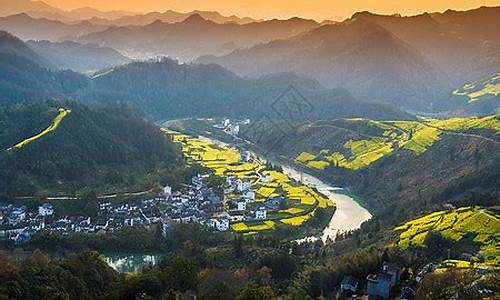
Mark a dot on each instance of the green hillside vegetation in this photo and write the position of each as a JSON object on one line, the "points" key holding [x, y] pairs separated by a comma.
{"points": [[84, 150], [415, 136], [473, 224]]}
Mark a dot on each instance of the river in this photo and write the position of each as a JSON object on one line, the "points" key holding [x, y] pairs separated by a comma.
{"points": [[349, 214]]}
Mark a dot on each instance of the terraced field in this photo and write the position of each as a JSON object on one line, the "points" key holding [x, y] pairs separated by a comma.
{"points": [[414, 136], [301, 201], [53, 126], [478, 90], [482, 226]]}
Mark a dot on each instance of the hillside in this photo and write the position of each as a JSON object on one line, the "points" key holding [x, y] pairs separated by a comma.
{"points": [[481, 96], [64, 148], [168, 89], [412, 62], [360, 56], [25, 74], [464, 229], [78, 57]]}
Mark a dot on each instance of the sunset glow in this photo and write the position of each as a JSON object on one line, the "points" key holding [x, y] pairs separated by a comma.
{"points": [[317, 9]]}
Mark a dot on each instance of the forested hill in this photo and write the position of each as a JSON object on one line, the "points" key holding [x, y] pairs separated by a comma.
{"points": [[166, 88], [101, 149], [169, 89]]}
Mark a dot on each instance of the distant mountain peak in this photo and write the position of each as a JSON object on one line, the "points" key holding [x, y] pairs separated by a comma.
{"points": [[195, 18]]}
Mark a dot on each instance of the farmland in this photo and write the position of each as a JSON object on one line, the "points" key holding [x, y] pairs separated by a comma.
{"points": [[413, 136], [300, 202], [479, 225], [53, 126], [478, 90]]}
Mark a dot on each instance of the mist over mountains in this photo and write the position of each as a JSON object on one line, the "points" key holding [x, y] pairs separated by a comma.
{"points": [[413, 63]]}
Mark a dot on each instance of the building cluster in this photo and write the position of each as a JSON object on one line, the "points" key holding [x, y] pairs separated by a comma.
{"points": [[18, 224], [231, 127], [243, 207], [194, 202], [385, 283]]}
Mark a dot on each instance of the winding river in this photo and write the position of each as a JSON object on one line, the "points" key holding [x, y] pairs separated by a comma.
{"points": [[349, 214]]}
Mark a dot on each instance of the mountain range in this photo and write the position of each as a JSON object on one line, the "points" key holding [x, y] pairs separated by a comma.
{"points": [[165, 88], [29, 28], [410, 61], [40, 9], [194, 36], [414, 63], [78, 57]]}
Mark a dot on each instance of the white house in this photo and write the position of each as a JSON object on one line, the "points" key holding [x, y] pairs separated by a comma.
{"points": [[235, 130], [246, 156], [267, 178], [241, 205], [46, 209], [249, 196], [226, 123], [167, 190], [236, 218], [242, 185], [261, 213], [222, 224]]}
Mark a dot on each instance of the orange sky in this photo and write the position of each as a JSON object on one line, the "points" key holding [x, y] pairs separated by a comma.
{"points": [[318, 9]]}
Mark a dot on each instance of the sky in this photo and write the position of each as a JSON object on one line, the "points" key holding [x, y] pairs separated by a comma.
{"points": [[268, 9]]}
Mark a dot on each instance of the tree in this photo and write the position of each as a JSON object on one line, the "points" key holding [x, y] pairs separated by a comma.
{"points": [[254, 292]]}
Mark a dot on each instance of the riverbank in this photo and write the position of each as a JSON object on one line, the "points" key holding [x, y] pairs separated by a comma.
{"points": [[350, 211]]}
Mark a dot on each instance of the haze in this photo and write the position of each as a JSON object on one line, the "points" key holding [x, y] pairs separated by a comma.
{"points": [[317, 9]]}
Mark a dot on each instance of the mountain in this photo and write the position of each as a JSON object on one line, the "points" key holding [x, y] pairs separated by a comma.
{"points": [[26, 75], [102, 148], [171, 16], [165, 88], [85, 13], [168, 89], [78, 57], [410, 61], [360, 56], [28, 28], [462, 44], [194, 36], [11, 45], [9, 7]]}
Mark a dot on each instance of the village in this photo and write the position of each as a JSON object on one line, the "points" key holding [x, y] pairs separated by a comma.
{"points": [[194, 202]]}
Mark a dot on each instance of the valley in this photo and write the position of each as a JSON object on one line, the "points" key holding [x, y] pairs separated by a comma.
{"points": [[287, 197], [217, 151]]}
